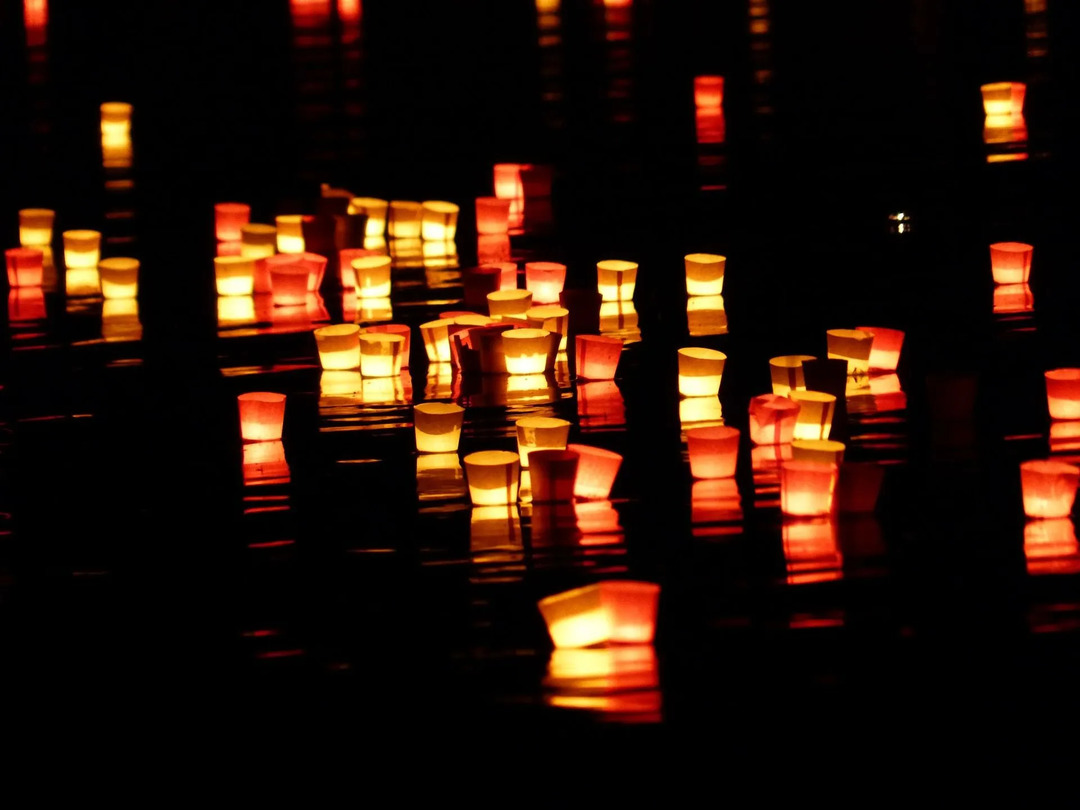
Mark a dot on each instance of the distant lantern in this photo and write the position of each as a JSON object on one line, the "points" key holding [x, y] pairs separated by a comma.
{"points": [[772, 419], [82, 252], [316, 267], [823, 450], [713, 451], [376, 211], [509, 303], [552, 475], [345, 260], [596, 357], [257, 241], [540, 433], [704, 273], [787, 373], [1063, 393], [234, 275], [380, 354], [438, 426], [339, 346], [1003, 98], [545, 280], [36, 227], [394, 329], [229, 218], [596, 471], [492, 476], [807, 488], [492, 215], [608, 612], [119, 277], [290, 233], [853, 345], [436, 336], [816, 410], [1048, 487], [885, 351], [115, 124], [438, 220], [372, 276], [1010, 262], [529, 351], [25, 266], [288, 279], [405, 219], [262, 414], [700, 371], [616, 279], [508, 186], [708, 92]]}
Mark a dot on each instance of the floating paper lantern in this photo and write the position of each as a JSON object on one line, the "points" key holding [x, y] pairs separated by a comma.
{"points": [[25, 266], [438, 220], [540, 433], [596, 471], [704, 273], [1010, 262], [376, 211], [257, 241], [234, 275], [372, 276], [290, 233], [885, 350], [1003, 98], [772, 419], [405, 219], [36, 227], [339, 346], [616, 279], [288, 279], [509, 303], [119, 277], [529, 351], [552, 318], [1063, 393], [807, 488], [394, 329], [821, 450], [316, 267], [708, 92], [609, 612], [596, 357], [492, 476], [816, 410], [508, 186], [700, 371], [438, 426], [700, 411], [787, 373], [492, 215], [229, 218], [436, 335], [553, 473], [1049, 488], [345, 260], [852, 345], [713, 451], [545, 280], [380, 354], [262, 414]]}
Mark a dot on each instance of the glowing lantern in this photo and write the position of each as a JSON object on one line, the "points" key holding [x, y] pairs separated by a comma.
{"points": [[345, 260], [492, 215], [816, 409], [288, 279], [316, 267], [596, 357], [438, 426], [1010, 262], [772, 419], [509, 303], [553, 473], [82, 252], [234, 275], [290, 233], [545, 281], [787, 373], [700, 411], [235, 310], [486, 279], [529, 351], [1063, 393], [229, 218], [492, 248], [708, 92], [508, 186], [852, 345], [705, 315], [885, 350], [616, 279], [820, 450], [609, 612], [394, 329], [262, 414], [36, 227], [550, 317], [119, 277], [1003, 98], [339, 346], [405, 219], [438, 220], [436, 335], [24, 266], [700, 371], [380, 354], [257, 241], [807, 488], [115, 124], [492, 476], [540, 433], [713, 451], [596, 471], [704, 273], [372, 276], [376, 211], [1049, 488]]}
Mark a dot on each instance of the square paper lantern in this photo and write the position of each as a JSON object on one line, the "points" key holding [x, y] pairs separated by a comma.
{"points": [[492, 215], [257, 241], [616, 279], [772, 419], [596, 357], [529, 351], [704, 273], [609, 612], [816, 410], [787, 373], [25, 266], [339, 346], [885, 350], [508, 186], [1063, 393], [376, 211], [1048, 487], [492, 476], [405, 219], [288, 279], [262, 414], [290, 233], [229, 218], [234, 275], [700, 371], [119, 277], [438, 220], [438, 426], [807, 488], [509, 303], [540, 433], [545, 280], [372, 276], [1010, 262], [552, 473], [713, 451], [852, 345], [596, 471], [821, 450], [380, 354], [36, 227]]}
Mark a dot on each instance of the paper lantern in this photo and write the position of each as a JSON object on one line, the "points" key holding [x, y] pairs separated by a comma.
{"points": [[380, 354], [821, 450], [229, 218], [553, 473], [713, 451], [704, 273], [290, 233], [708, 92], [372, 276], [288, 279], [492, 476], [596, 471], [257, 241], [36, 227], [545, 281], [376, 211], [234, 275], [787, 373], [438, 426], [508, 186], [262, 414], [316, 267], [596, 357], [25, 266], [1010, 262], [438, 220], [264, 463], [82, 252], [119, 277], [807, 488], [816, 410], [115, 124], [509, 303], [492, 215], [885, 349], [235, 310], [529, 351], [1062, 393], [705, 315], [616, 279], [609, 612], [772, 419], [394, 329], [1048, 487], [339, 346], [540, 433], [1003, 98], [852, 345], [700, 371], [436, 335], [405, 219]]}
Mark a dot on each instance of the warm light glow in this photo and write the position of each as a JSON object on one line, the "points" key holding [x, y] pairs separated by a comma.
{"points": [[601, 405], [812, 551], [262, 414], [1049, 488], [438, 220], [235, 310], [492, 215], [258, 241], [596, 471], [316, 267], [25, 266], [807, 488], [700, 371], [1013, 298], [380, 354], [374, 309], [545, 280], [852, 345], [265, 463], [616, 279], [551, 318], [816, 409], [115, 124], [602, 670], [439, 477], [385, 390], [345, 260], [26, 305], [529, 351], [438, 426], [540, 433], [715, 500], [405, 219], [787, 373], [119, 277], [1050, 547], [82, 252], [36, 227], [1003, 98], [1063, 393], [234, 275], [596, 357], [436, 335], [229, 218], [705, 315], [492, 476], [288, 279], [349, 10], [394, 329], [339, 346], [700, 411], [713, 451], [36, 20], [708, 92], [772, 419], [509, 303], [372, 276], [290, 233], [508, 186], [885, 350], [492, 248], [1010, 262], [823, 451], [704, 273], [120, 319], [376, 211], [609, 612], [552, 474]]}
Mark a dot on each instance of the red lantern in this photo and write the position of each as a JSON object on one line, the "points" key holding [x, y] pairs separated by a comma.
{"points": [[596, 357], [288, 279], [1048, 487], [1010, 262], [262, 414], [772, 419], [807, 488], [885, 350], [492, 215], [596, 471], [24, 266], [545, 281], [508, 186], [229, 218], [552, 474], [713, 451], [1063, 393], [609, 612]]}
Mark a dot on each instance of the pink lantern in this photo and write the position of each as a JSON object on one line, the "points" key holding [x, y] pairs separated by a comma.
{"points": [[596, 357], [1063, 393], [24, 266], [508, 186], [596, 471], [552, 474], [713, 451], [609, 612], [492, 215], [545, 280], [772, 419], [1010, 262], [394, 329], [288, 279], [885, 350], [229, 218], [1048, 487]]}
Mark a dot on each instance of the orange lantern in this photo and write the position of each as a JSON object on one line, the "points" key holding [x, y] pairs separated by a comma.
{"points": [[82, 252], [36, 227], [596, 357], [257, 241], [229, 218], [1050, 547], [816, 410], [552, 318], [545, 281], [119, 277], [380, 354], [713, 451], [438, 426], [492, 476], [772, 419], [372, 276], [1003, 98], [552, 473], [1010, 262], [1048, 487], [25, 266], [436, 335], [704, 273], [508, 186], [394, 329], [509, 303], [540, 433], [438, 220], [288, 279], [700, 371], [234, 275], [486, 279], [708, 92], [609, 612], [262, 414], [491, 248], [405, 219], [596, 471], [885, 349], [1063, 393], [616, 279], [492, 215], [852, 345], [807, 488], [376, 211], [821, 450], [529, 351], [339, 346], [787, 373]]}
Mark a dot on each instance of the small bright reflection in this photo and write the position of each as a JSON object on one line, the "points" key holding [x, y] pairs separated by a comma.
{"points": [[439, 477], [1050, 547], [374, 310], [339, 383], [700, 412], [715, 500], [235, 310], [440, 381], [600, 406], [619, 319], [1013, 299], [598, 523], [495, 528], [264, 463], [26, 305], [387, 390], [705, 315], [812, 551]]}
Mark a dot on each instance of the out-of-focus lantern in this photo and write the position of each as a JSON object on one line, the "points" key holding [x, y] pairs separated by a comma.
{"points": [[339, 346], [376, 211], [1013, 298], [492, 476], [704, 273], [596, 471], [787, 373], [609, 612], [235, 310], [545, 280], [509, 303], [700, 371], [316, 267], [234, 275], [713, 451], [486, 279], [772, 419], [616, 279], [551, 317], [82, 252], [439, 477], [1063, 393], [1010, 262], [438, 220], [405, 219], [492, 248], [529, 351], [816, 409], [708, 92], [262, 414], [288, 279], [257, 241], [36, 227], [508, 186], [438, 426], [372, 276], [345, 260], [290, 233], [492, 215], [229, 218], [394, 329], [807, 488], [24, 266], [885, 350], [1003, 98], [596, 357], [540, 433], [552, 473], [821, 450], [436, 335], [380, 354], [119, 277], [1048, 487], [852, 345]]}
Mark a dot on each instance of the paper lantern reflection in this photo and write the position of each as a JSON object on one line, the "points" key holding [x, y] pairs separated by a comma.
{"points": [[1050, 547], [372, 276], [380, 354], [540, 433], [405, 219], [772, 419], [508, 186], [885, 349], [120, 320], [529, 351], [339, 346], [26, 305], [439, 477], [1010, 262], [265, 463], [36, 227], [235, 310], [603, 670], [115, 124], [1003, 98], [262, 414], [704, 273], [438, 220], [509, 303], [492, 215], [705, 315], [713, 451], [596, 357], [807, 488], [119, 277], [787, 373], [25, 266], [600, 405], [700, 412], [823, 451], [545, 280], [229, 218], [852, 345], [609, 612], [437, 426], [339, 385], [1048, 487], [708, 92], [551, 318], [596, 471], [700, 371], [816, 410], [374, 309], [552, 474], [1063, 393], [492, 248], [616, 279], [234, 275], [257, 241], [492, 476]]}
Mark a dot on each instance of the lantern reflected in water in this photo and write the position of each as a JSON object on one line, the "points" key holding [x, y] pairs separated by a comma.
{"points": [[265, 463], [116, 133], [616, 279], [705, 315], [339, 385], [820, 450], [492, 215], [700, 412], [1010, 262], [1063, 393], [540, 433], [812, 551], [257, 241], [508, 186], [235, 310], [603, 669], [492, 248], [405, 219], [339, 346], [713, 451], [438, 426], [394, 329], [290, 233], [36, 227], [1050, 547], [1048, 487], [1003, 98], [26, 305], [509, 303], [609, 612], [816, 410], [1013, 298], [120, 320], [372, 276], [600, 405], [374, 309], [619, 319], [596, 357], [807, 488], [380, 354], [438, 220], [439, 477], [700, 371], [262, 414], [25, 266], [234, 275], [885, 349], [704, 273], [82, 252], [119, 277], [395, 390], [552, 474], [436, 335], [772, 419], [492, 476], [852, 345], [787, 373], [708, 92], [545, 280], [229, 219]]}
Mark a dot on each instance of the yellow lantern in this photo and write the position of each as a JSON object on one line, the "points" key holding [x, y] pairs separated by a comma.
{"points": [[372, 276], [290, 233], [821, 450], [438, 220], [852, 345], [257, 241], [704, 273], [36, 227], [540, 433], [613, 611], [787, 373], [82, 252], [816, 410], [119, 277], [234, 275], [376, 214], [492, 476], [405, 220], [529, 351], [438, 426], [700, 371], [616, 279], [380, 354], [339, 346]]}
